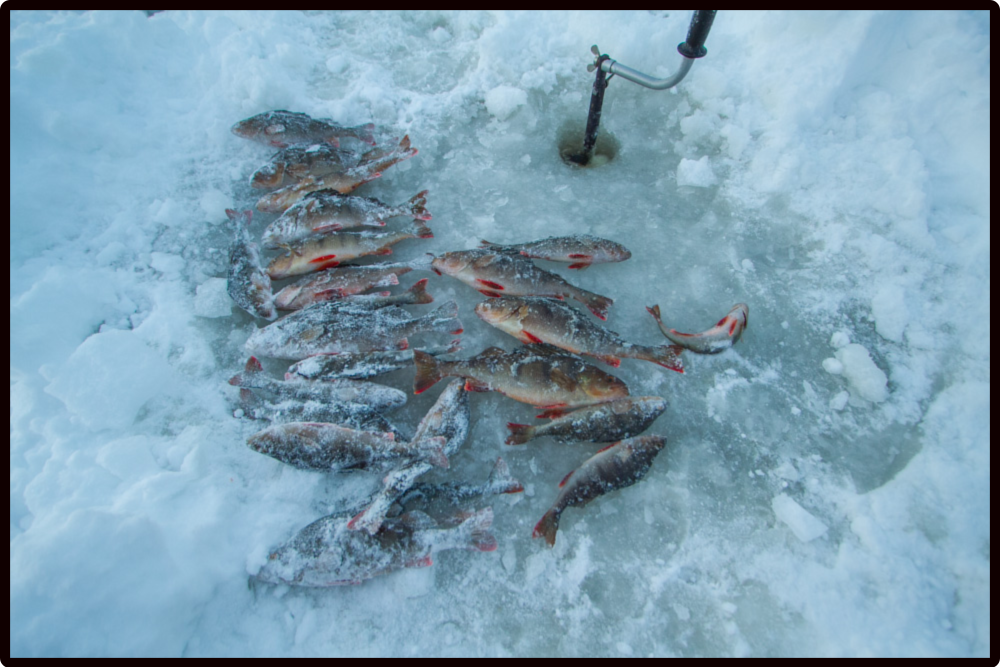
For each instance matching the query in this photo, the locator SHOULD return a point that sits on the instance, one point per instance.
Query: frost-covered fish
(328, 327)
(326, 211)
(720, 337)
(333, 448)
(344, 281)
(579, 250)
(605, 422)
(292, 164)
(499, 482)
(552, 382)
(334, 390)
(327, 553)
(497, 274)
(614, 467)
(338, 248)
(282, 128)
(247, 283)
(359, 366)
(341, 181)
(533, 320)
(351, 415)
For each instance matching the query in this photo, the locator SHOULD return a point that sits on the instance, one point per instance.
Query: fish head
(503, 313)
(741, 312)
(450, 263)
(601, 386)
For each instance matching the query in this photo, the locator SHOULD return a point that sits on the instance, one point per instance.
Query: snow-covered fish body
(335, 249)
(247, 283)
(282, 128)
(579, 250)
(499, 482)
(534, 320)
(605, 422)
(717, 339)
(326, 211)
(614, 467)
(333, 448)
(328, 327)
(340, 282)
(359, 366)
(292, 164)
(498, 274)
(549, 381)
(350, 415)
(327, 553)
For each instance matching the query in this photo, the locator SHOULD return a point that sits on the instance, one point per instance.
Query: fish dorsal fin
(491, 352)
(566, 479)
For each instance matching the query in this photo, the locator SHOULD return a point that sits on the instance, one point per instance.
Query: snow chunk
(503, 101)
(839, 339)
(214, 204)
(212, 300)
(805, 526)
(867, 379)
(696, 173)
(889, 310)
(832, 366)
(839, 402)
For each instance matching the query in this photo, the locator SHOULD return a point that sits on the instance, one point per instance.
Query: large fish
(497, 274)
(328, 327)
(605, 422)
(614, 467)
(720, 337)
(282, 128)
(552, 382)
(333, 448)
(360, 366)
(325, 211)
(533, 320)
(343, 182)
(284, 410)
(326, 553)
(335, 249)
(247, 283)
(580, 250)
(344, 281)
(292, 164)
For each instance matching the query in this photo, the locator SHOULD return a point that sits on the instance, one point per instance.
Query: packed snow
(825, 485)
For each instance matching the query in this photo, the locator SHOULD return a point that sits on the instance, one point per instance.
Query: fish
(351, 415)
(499, 482)
(497, 274)
(416, 295)
(343, 182)
(579, 250)
(292, 164)
(282, 128)
(332, 448)
(327, 553)
(552, 382)
(534, 320)
(721, 337)
(328, 327)
(325, 211)
(604, 422)
(616, 466)
(360, 366)
(247, 283)
(336, 249)
(344, 281)
(333, 390)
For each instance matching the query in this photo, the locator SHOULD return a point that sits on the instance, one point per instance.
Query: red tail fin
(519, 433)
(428, 372)
(419, 291)
(547, 527)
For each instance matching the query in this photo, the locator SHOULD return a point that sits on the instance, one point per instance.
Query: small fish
(332, 448)
(325, 211)
(534, 320)
(605, 422)
(720, 337)
(350, 415)
(327, 553)
(292, 164)
(344, 281)
(580, 250)
(376, 396)
(343, 182)
(282, 128)
(338, 248)
(500, 481)
(498, 274)
(247, 283)
(327, 327)
(552, 382)
(616, 466)
(360, 366)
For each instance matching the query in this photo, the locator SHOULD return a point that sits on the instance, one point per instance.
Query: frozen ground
(825, 489)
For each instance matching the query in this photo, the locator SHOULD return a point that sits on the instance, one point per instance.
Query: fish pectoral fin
(311, 333)
(529, 338)
(476, 385)
(564, 381)
(566, 479)
(551, 411)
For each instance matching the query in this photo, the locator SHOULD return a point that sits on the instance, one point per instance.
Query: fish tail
(428, 372)
(240, 216)
(417, 206)
(419, 292)
(366, 133)
(248, 403)
(667, 356)
(501, 481)
(547, 527)
(597, 304)
(421, 230)
(431, 450)
(473, 533)
(246, 379)
(445, 318)
(420, 263)
(519, 433)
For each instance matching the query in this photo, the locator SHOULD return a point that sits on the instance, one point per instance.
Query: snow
(825, 485)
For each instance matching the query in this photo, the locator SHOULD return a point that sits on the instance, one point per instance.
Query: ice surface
(805, 526)
(831, 170)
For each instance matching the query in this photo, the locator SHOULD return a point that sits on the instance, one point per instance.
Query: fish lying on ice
(605, 422)
(344, 281)
(284, 410)
(720, 337)
(360, 366)
(327, 553)
(550, 381)
(614, 467)
(247, 283)
(497, 274)
(499, 482)
(580, 250)
(534, 320)
(282, 128)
